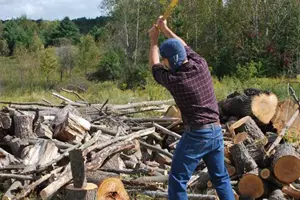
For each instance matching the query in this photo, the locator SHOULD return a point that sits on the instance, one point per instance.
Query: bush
(250, 70)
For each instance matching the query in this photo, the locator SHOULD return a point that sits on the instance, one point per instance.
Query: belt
(199, 127)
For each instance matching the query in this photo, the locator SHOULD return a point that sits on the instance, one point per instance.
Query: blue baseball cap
(173, 50)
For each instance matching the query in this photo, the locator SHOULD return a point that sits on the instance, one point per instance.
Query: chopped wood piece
(231, 170)
(243, 162)
(16, 144)
(291, 191)
(240, 137)
(277, 195)
(23, 126)
(88, 192)
(41, 153)
(43, 131)
(166, 131)
(286, 163)
(252, 185)
(7, 159)
(265, 173)
(10, 193)
(73, 128)
(284, 112)
(248, 125)
(112, 188)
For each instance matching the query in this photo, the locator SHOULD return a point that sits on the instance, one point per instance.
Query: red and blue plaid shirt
(192, 89)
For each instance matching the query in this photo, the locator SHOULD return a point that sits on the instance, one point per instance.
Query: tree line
(241, 38)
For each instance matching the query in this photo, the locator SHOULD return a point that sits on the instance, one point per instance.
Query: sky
(49, 9)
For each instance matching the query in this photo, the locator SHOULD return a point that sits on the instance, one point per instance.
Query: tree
(67, 29)
(49, 62)
(88, 55)
(66, 55)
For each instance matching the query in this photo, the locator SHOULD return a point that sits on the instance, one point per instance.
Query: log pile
(103, 151)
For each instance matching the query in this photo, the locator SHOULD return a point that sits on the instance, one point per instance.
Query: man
(185, 74)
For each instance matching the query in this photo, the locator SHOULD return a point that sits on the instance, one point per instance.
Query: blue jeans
(206, 144)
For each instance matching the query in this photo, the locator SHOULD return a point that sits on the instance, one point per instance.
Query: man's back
(192, 89)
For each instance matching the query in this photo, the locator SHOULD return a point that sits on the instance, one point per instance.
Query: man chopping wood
(185, 74)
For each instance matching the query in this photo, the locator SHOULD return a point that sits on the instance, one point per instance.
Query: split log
(243, 162)
(277, 195)
(62, 180)
(248, 125)
(41, 153)
(114, 162)
(284, 112)
(61, 115)
(259, 104)
(23, 126)
(257, 152)
(252, 185)
(199, 181)
(286, 163)
(88, 192)
(73, 128)
(43, 131)
(291, 191)
(10, 193)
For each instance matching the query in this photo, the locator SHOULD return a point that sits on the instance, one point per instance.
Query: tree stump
(243, 162)
(23, 126)
(286, 163)
(88, 192)
(277, 195)
(252, 185)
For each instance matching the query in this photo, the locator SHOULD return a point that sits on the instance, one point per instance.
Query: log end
(251, 185)
(287, 169)
(264, 107)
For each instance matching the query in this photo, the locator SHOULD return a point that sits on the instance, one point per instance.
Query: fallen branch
(154, 148)
(166, 131)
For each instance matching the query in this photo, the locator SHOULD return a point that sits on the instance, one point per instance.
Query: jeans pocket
(195, 145)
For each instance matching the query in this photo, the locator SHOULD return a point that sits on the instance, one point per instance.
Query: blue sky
(49, 9)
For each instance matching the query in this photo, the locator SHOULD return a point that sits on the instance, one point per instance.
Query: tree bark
(277, 195)
(242, 159)
(23, 126)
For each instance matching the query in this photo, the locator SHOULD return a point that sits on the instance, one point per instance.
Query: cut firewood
(248, 125)
(199, 181)
(286, 163)
(284, 112)
(291, 191)
(16, 144)
(7, 159)
(230, 169)
(261, 105)
(73, 128)
(39, 154)
(277, 195)
(265, 173)
(252, 185)
(257, 152)
(241, 137)
(23, 126)
(43, 131)
(10, 193)
(243, 162)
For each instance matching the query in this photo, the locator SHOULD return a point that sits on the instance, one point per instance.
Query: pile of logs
(77, 150)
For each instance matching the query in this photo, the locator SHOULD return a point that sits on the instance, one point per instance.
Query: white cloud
(49, 9)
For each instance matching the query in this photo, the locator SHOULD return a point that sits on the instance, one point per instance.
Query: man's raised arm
(162, 25)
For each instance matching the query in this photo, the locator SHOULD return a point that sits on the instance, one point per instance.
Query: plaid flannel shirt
(191, 88)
